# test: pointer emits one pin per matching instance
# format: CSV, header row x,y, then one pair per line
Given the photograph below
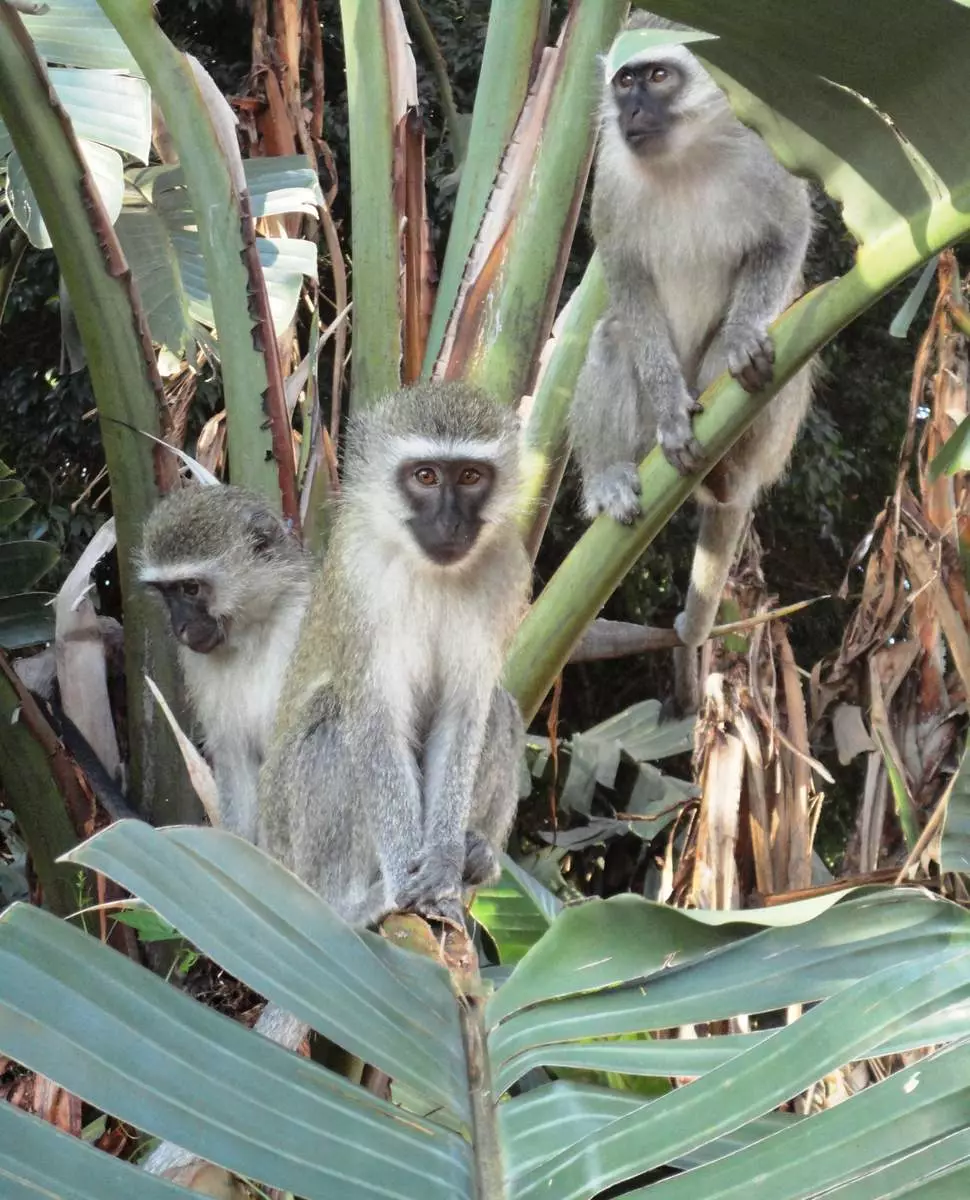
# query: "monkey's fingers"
x,y
687,457
615,491
752,363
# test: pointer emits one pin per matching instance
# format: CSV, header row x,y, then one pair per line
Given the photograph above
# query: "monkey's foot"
x,y
481,864
750,355
690,637
433,887
615,491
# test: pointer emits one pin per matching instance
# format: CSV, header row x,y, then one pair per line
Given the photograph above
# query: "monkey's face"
x,y
643,93
193,624
446,499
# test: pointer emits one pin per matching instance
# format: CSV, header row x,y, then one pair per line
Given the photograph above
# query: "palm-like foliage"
x,y
892,971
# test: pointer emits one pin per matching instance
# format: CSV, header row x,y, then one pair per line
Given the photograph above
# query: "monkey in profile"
x,y
236,585
391,779
703,236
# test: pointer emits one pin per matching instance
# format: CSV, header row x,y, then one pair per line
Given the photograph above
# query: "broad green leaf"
x,y
515,912
955,455
391,1008
904,318
26,619
22,563
285,184
11,510
640,731
768,1074
699,972
903,1129
155,270
121,1038
77,32
106,168
543,1122
38,1162
10,487
106,107
955,843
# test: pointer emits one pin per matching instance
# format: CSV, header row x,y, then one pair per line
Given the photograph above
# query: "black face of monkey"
x,y
643,93
446,498
188,607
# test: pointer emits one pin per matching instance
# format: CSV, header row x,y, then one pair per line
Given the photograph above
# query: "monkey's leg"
x,y
610,427
721,531
496,795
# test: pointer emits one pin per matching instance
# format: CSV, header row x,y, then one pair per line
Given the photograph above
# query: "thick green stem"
x,y
516,29
126,385
375,248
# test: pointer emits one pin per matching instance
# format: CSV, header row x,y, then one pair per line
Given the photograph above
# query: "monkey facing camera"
x,y
235,584
391,779
702,235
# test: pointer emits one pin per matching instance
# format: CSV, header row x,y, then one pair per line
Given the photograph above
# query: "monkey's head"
x,y
433,468
660,101
220,559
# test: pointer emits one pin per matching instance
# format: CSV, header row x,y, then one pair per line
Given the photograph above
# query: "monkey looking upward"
x,y
236,584
376,790
703,236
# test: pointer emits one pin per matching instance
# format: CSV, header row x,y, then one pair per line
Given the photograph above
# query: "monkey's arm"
x,y
634,300
763,287
451,761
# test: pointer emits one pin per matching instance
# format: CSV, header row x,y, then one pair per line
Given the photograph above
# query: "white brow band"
x,y
426,447
175,573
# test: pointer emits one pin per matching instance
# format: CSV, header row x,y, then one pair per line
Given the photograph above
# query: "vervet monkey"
x,y
703,236
376,790
236,584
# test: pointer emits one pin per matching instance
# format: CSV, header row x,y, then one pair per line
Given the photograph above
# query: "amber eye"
x,y
469,476
190,587
659,75
624,79
426,476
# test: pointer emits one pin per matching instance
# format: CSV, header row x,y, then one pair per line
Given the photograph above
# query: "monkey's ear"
x,y
264,531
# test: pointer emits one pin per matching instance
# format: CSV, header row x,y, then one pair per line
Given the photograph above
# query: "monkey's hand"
x,y
748,353
615,491
675,434
434,885
481,863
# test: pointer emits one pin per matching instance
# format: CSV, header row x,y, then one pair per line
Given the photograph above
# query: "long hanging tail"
x,y
721,531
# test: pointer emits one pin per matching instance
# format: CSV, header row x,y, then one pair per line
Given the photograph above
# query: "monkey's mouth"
x,y
646,141
204,640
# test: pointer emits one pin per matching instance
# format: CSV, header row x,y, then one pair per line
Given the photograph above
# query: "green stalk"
x,y
375,243
516,29
125,381
223,239
545,441
516,322
604,554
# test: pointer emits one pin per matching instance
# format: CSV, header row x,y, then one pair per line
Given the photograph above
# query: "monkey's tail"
x,y
721,531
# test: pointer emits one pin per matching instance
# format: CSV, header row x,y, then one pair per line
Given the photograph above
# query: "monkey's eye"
x,y
190,587
426,476
469,476
659,75
625,79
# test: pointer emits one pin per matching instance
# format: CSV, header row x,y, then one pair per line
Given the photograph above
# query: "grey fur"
x,y
260,582
703,244
392,740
